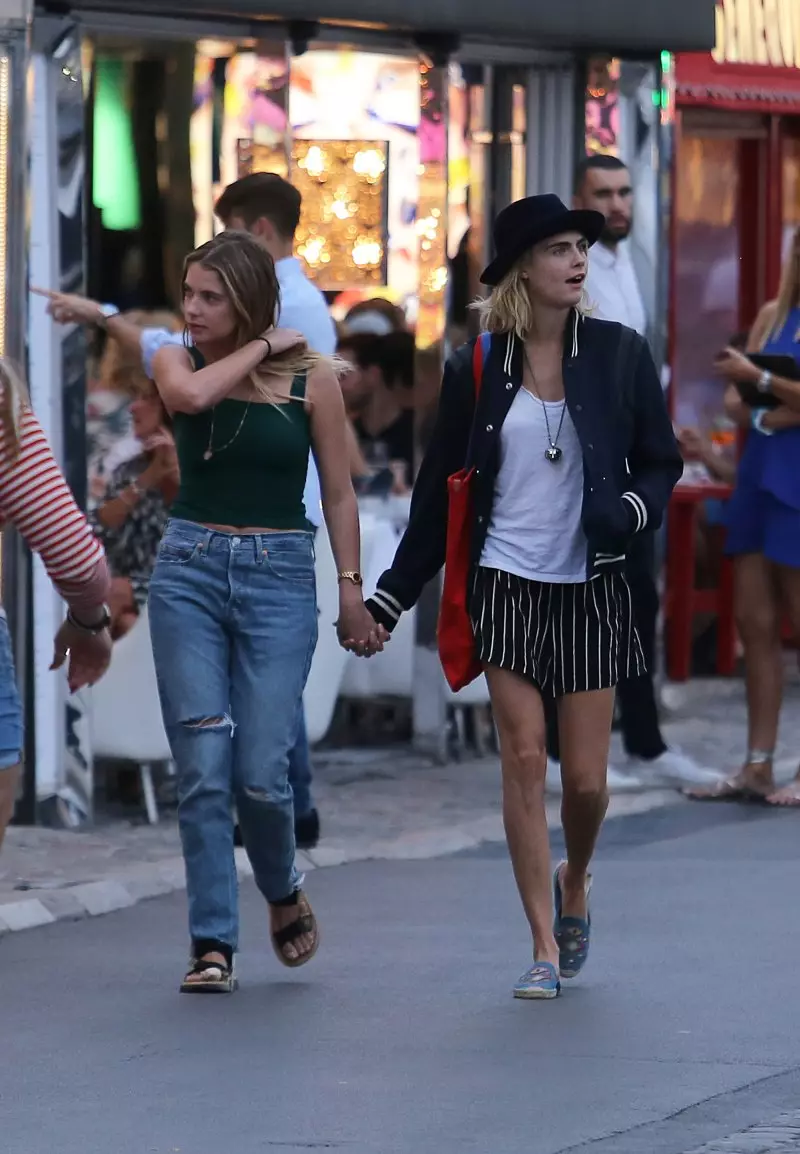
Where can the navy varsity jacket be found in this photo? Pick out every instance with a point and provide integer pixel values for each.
(631, 460)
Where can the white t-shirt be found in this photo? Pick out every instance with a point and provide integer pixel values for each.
(612, 287)
(535, 530)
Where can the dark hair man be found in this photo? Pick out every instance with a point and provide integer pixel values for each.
(603, 183)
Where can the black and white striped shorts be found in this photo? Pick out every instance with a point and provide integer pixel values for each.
(563, 638)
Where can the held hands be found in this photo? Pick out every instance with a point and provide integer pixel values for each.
(735, 366)
(88, 655)
(356, 628)
(69, 308)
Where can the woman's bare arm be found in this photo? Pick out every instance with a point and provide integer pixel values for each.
(331, 450)
(786, 390)
(186, 390)
(357, 629)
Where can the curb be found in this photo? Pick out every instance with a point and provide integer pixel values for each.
(144, 882)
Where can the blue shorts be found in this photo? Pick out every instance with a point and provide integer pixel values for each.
(11, 731)
(759, 523)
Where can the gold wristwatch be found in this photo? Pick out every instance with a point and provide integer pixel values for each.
(351, 576)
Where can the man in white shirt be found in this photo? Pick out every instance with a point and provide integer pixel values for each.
(603, 183)
(268, 207)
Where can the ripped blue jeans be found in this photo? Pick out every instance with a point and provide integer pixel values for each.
(234, 625)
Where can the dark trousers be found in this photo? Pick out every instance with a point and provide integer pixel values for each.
(641, 732)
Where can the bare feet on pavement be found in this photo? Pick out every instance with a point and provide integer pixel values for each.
(789, 796)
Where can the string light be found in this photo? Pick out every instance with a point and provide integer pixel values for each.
(432, 238)
(343, 222)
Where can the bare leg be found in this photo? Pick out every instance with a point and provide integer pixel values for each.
(584, 722)
(758, 618)
(518, 713)
(8, 797)
(789, 581)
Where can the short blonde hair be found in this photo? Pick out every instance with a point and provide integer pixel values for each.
(507, 308)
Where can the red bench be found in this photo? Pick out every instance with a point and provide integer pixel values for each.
(683, 600)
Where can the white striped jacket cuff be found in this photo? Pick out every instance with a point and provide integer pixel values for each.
(390, 605)
(639, 508)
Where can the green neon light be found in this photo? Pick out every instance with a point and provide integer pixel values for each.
(115, 178)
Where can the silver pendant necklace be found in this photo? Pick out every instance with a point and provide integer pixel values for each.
(552, 453)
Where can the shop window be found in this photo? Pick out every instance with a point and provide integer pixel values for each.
(602, 105)
(706, 271)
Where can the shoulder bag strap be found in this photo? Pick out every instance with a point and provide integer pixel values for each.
(480, 353)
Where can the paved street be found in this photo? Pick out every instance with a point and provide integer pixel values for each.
(388, 803)
(402, 1038)
(383, 804)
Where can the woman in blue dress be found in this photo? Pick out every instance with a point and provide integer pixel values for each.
(763, 520)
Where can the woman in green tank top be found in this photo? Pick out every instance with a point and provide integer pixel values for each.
(233, 598)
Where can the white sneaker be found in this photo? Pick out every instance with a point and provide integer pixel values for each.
(618, 781)
(672, 768)
(624, 781)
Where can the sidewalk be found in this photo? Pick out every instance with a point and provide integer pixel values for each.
(375, 804)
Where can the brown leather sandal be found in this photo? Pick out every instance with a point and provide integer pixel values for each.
(304, 923)
(212, 978)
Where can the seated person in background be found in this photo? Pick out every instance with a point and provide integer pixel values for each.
(130, 521)
(429, 364)
(696, 446)
(376, 317)
(117, 377)
(379, 400)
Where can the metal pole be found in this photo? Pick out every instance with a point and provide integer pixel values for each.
(16, 565)
(429, 706)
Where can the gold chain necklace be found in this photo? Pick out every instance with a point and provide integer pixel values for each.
(210, 451)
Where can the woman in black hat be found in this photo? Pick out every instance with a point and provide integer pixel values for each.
(573, 453)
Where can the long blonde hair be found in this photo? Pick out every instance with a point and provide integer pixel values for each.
(507, 308)
(789, 291)
(14, 399)
(248, 276)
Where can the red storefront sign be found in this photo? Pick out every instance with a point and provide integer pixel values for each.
(755, 65)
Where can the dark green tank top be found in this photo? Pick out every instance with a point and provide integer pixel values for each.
(255, 476)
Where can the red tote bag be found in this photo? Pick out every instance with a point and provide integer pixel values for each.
(455, 636)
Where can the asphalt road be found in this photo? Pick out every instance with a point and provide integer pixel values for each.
(402, 1037)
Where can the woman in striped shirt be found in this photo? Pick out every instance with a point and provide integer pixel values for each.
(35, 499)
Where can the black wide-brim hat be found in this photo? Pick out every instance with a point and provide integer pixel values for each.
(527, 222)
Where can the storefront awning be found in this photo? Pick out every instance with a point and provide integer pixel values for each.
(617, 26)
